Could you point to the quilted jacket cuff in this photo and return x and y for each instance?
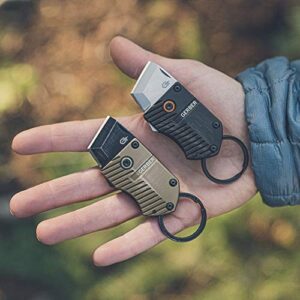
(272, 107)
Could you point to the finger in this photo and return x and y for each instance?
(76, 187)
(147, 235)
(67, 136)
(103, 214)
(131, 58)
(134, 242)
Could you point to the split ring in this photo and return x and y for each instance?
(200, 228)
(236, 176)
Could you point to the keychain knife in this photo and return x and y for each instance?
(130, 167)
(172, 110)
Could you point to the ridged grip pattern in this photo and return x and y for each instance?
(150, 188)
(195, 132)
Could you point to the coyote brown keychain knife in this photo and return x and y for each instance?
(129, 166)
(172, 110)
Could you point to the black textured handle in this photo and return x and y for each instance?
(180, 116)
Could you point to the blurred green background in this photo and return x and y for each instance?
(55, 66)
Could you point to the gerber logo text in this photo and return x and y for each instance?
(189, 109)
(146, 165)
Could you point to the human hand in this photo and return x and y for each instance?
(221, 94)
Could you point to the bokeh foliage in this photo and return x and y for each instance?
(55, 66)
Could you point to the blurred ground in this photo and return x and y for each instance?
(55, 66)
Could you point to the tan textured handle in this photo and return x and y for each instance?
(137, 172)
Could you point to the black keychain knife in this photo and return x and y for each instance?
(172, 110)
(129, 166)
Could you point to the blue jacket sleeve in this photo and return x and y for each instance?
(272, 107)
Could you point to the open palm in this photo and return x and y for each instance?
(220, 93)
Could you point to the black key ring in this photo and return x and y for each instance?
(200, 228)
(236, 176)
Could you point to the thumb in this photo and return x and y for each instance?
(131, 58)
